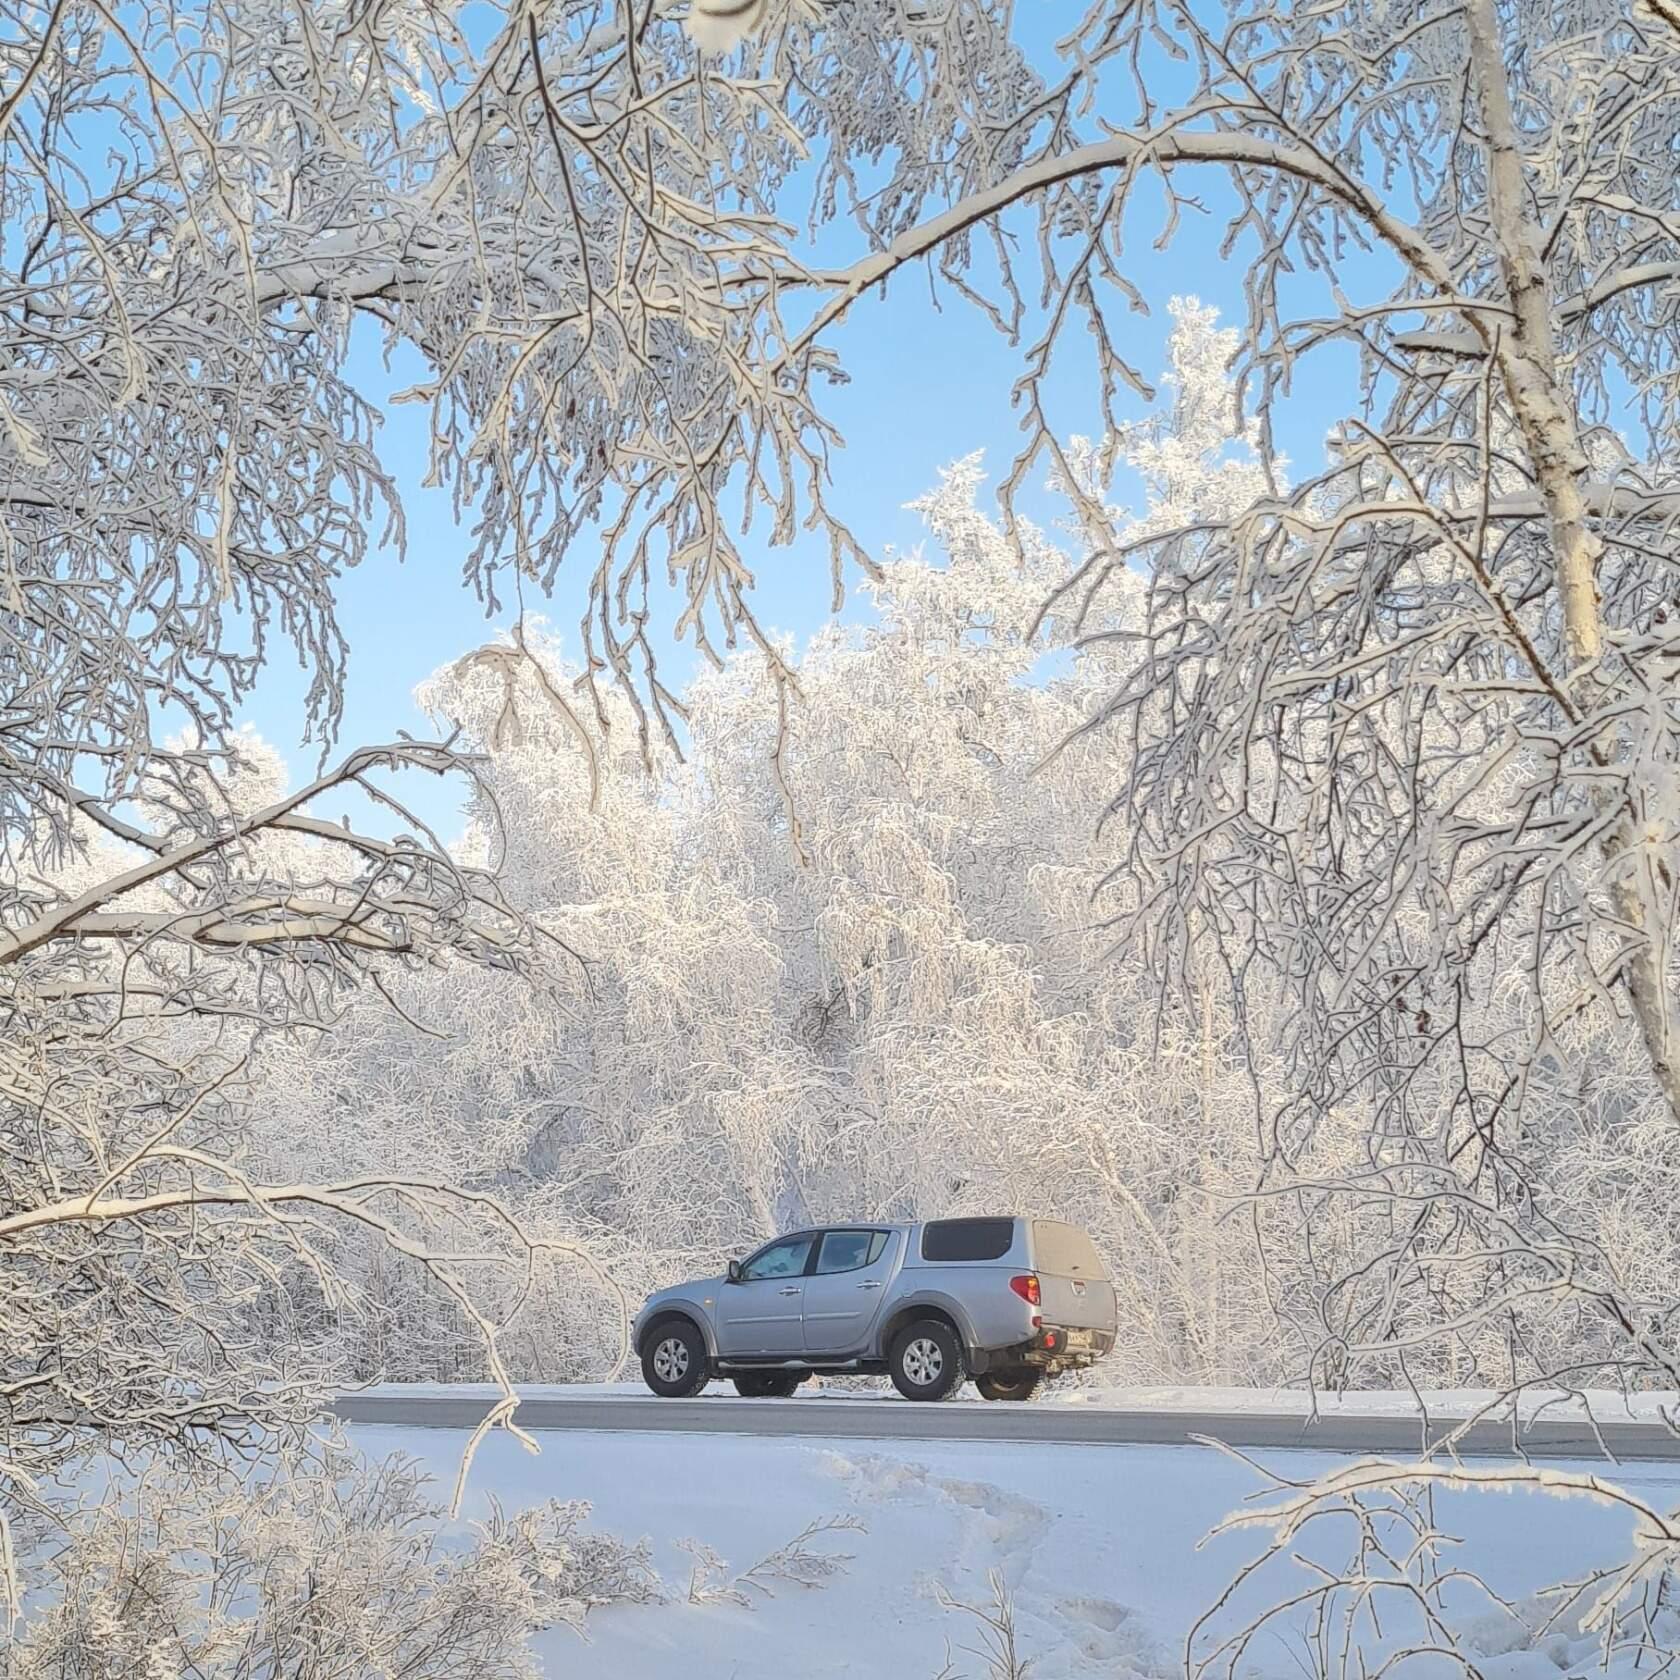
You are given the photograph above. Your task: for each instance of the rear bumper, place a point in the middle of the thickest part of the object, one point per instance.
(1056, 1347)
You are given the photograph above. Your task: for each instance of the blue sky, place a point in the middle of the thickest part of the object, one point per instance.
(928, 384)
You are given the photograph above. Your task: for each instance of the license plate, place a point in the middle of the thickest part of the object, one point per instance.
(1079, 1338)
(1078, 1287)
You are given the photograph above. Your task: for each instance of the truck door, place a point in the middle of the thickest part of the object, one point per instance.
(762, 1313)
(1077, 1293)
(843, 1293)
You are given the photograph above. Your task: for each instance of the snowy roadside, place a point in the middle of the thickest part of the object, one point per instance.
(1101, 1548)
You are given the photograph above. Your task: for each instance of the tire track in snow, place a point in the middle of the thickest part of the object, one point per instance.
(1066, 1635)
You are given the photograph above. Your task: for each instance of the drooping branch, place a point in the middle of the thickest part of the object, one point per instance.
(1131, 154)
(81, 914)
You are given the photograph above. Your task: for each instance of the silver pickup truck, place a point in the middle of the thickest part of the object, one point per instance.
(1007, 1301)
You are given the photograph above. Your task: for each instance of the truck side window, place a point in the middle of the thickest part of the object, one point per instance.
(945, 1240)
(850, 1251)
(779, 1260)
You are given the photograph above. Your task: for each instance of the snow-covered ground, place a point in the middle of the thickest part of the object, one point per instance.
(1101, 1547)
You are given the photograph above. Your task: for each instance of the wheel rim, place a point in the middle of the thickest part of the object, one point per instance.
(923, 1361)
(670, 1360)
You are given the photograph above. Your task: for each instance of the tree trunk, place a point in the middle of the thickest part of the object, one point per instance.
(1544, 406)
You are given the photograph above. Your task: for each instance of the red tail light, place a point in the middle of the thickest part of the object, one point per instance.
(1027, 1288)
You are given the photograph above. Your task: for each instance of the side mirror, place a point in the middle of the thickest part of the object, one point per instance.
(734, 1271)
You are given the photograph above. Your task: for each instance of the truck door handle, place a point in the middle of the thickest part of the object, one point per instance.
(875, 1285)
(793, 1291)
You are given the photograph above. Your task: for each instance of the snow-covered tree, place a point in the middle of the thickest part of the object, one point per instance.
(1408, 740)
(1409, 730)
(579, 218)
(574, 215)
(841, 962)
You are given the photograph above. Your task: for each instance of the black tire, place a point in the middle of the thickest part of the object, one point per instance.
(767, 1385)
(927, 1361)
(1020, 1382)
(674, 1360)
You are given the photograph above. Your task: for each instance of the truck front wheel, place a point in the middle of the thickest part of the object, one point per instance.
(674, 1360)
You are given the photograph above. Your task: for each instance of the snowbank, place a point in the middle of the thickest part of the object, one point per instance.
(1101, 1548)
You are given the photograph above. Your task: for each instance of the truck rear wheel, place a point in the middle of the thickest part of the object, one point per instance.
(927, 1361)
(1020, 1382)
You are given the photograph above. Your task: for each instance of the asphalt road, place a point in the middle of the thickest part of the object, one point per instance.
(902, 1420)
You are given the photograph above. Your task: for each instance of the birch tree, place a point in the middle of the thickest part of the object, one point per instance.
(1405, 735)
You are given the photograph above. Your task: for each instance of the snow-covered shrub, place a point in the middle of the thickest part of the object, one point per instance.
(323, 1564)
